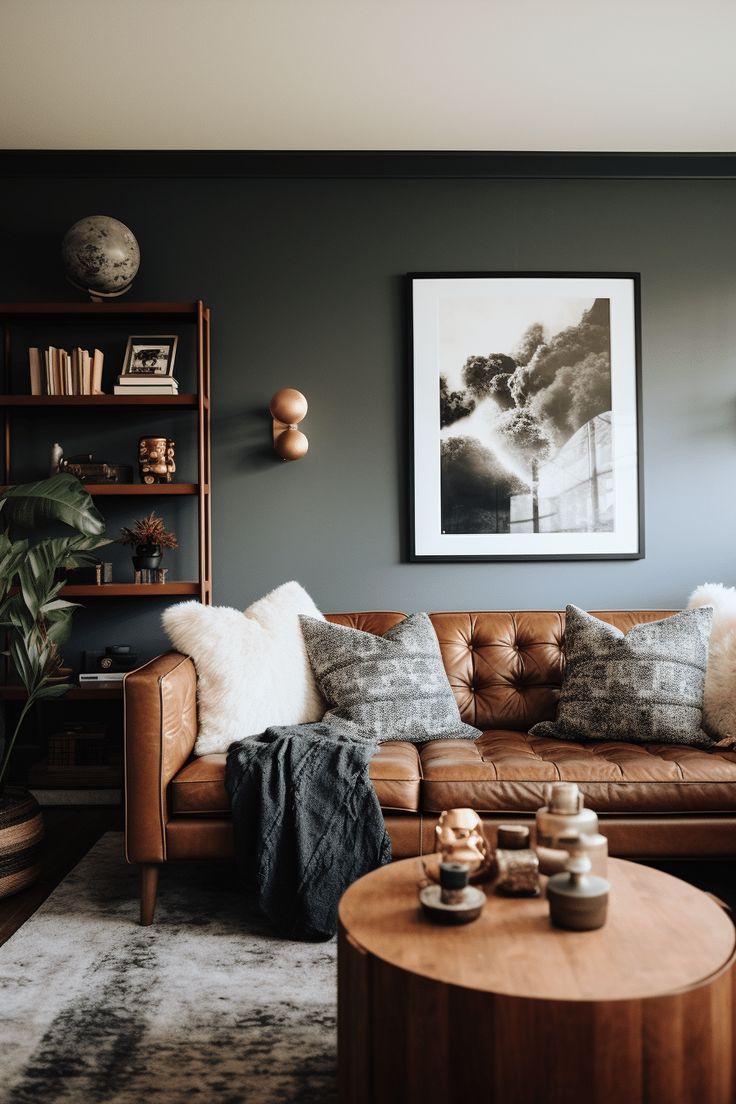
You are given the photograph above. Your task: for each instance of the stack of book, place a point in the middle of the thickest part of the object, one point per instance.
(104, 680)
(139, 384)
(57, 372)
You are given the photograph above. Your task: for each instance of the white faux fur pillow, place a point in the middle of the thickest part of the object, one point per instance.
(719, 699)
(252, 667)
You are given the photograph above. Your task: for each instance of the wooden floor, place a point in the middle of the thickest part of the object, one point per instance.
(70, 833)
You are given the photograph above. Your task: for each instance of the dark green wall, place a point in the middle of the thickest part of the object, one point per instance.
(305, 280)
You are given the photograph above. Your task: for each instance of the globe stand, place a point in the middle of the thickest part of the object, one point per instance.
(100, 296)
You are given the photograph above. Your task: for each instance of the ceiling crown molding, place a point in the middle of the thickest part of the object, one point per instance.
(363, 164)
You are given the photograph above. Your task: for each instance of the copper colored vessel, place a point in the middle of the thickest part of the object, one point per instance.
(156, 459)
(459, 838)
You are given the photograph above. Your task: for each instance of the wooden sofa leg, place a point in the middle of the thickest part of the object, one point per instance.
(149, 885)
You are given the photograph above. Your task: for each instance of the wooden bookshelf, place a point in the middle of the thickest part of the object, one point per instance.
(70, 318)
(181, 313)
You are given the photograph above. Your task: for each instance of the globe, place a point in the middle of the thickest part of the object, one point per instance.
(101, 256)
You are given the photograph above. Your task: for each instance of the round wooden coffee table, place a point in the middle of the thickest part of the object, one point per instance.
(508, 1010)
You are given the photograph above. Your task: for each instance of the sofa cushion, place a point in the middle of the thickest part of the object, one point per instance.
(199, 787)
(506, 669)
(645, 686)
(252, 667)
(392, 687)
(505, 772)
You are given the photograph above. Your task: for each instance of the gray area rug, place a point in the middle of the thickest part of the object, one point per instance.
(205, 1004)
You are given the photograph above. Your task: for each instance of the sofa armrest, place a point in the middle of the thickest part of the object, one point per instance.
(160, 730)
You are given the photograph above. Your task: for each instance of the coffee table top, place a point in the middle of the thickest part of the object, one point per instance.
(662, 935)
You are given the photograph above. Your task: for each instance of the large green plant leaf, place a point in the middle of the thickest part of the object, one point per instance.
(25, 657)
(12, 554)
(14, 615)
(60, 498)
(59, 625)
(55, 554)
(54, 690)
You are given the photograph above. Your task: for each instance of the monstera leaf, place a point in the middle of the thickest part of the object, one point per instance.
(60, 498)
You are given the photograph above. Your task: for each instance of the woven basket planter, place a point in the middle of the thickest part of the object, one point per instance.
(21, 838)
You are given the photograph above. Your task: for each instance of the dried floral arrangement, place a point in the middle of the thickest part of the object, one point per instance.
(148, 531)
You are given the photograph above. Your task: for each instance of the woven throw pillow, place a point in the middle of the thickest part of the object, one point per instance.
(252, 667)
(393, 687)
(642, 687)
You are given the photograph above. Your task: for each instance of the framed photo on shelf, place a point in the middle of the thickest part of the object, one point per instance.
(525, 407)
(150, 356)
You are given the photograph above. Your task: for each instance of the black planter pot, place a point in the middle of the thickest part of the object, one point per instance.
(148, 557)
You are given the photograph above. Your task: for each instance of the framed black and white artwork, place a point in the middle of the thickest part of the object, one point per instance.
(525, 403)
(150, 356)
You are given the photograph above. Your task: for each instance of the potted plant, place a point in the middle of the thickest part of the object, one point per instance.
(150, 537)
(37, 622)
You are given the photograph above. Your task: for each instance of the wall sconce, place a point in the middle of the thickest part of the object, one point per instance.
(288, 407)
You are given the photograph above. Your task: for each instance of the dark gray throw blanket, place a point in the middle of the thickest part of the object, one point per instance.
(307, 821)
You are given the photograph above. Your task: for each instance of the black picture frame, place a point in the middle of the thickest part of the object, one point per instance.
(627, 542)
(157, 348)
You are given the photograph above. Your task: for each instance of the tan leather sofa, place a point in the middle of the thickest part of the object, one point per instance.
(654, 801)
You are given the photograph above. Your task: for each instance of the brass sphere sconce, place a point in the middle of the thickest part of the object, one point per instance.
(288, 408)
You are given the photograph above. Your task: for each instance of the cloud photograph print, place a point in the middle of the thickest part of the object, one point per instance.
(525, 415)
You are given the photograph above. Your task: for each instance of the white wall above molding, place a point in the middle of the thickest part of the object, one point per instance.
(589, 75)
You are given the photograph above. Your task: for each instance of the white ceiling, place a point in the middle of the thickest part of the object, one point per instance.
(584, 75)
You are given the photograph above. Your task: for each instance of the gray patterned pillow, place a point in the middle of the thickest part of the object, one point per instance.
(642, 687)
(393, 687)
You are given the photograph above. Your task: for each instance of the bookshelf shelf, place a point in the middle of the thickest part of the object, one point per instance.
(78, 693)
(160, 311)
(128, 590)
(187, 401)
(133, 490)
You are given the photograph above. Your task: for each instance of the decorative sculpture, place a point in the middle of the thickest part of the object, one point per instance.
(459, 837)
(156, 459)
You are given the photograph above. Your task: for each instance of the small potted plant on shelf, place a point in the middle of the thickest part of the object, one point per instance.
(36, 622)
(150, 537)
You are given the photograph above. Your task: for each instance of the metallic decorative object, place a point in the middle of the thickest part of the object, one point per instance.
(156, 459)
(577, 899)
(101, 256)
(459, 837)
(453, 901)
(517, 864)
(89, 470)
(562, 819)
(288, 408)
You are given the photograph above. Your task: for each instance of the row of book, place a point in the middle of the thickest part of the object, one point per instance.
(135, 384)
(57, 372)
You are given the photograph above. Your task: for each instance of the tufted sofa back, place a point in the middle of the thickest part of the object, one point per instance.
(505, 669)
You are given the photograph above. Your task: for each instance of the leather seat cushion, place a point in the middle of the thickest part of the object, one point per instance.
(505, 772)
(199, 787)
